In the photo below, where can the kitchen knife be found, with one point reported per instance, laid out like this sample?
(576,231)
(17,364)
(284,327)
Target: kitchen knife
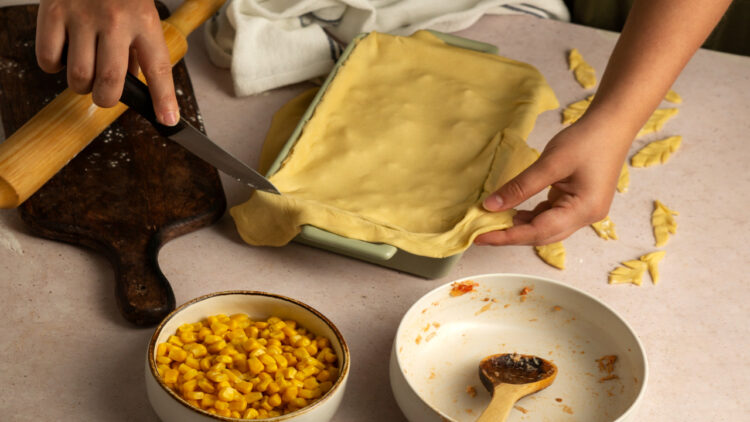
(135,95)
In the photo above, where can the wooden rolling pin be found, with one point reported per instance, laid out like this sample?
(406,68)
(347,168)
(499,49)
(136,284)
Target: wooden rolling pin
(47,142)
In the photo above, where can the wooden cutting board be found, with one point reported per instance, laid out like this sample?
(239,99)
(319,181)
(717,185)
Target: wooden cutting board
(127,193)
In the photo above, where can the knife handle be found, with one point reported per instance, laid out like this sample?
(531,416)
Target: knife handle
(135,95)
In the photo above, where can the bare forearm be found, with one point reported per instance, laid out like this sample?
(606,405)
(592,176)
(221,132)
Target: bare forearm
(659,38)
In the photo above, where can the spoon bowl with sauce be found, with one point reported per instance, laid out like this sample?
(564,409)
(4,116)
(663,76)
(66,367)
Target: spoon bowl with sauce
(509,377)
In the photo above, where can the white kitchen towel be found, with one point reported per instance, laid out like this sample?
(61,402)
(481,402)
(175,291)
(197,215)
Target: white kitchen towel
(272,43)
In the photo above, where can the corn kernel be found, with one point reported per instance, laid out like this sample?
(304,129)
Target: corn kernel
(161,349)
(177,354)
(216,376)
(289,394)
(216,347)
(253,397)
(221,404)
(208,400)
(274,400)
(255,365)
(206,385)
(310,383)
(250,414)
(235,414)
(325,386)
(239,404)
(244,387)
(170,377)
(224,412)
(175,340)
(163,360)
(194,395)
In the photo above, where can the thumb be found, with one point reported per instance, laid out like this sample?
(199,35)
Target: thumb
(527,184)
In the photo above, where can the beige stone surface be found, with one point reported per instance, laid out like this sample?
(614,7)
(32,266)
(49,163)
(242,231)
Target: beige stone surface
(67,355)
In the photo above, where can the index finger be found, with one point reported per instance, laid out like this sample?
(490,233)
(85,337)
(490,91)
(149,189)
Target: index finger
(153,57)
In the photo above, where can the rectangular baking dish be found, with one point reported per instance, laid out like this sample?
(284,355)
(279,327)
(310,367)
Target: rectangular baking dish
(377,253)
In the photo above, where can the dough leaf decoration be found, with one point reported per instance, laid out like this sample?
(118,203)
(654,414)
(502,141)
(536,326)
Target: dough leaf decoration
(630,272)
(657,152)
(624,180)
(574,111)
(605,229)
(553,254)
(673,97)
(584,73)
(662,219)
(657,120)
(652,261)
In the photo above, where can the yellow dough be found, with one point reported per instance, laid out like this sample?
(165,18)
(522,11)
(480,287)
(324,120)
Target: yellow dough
(406,142)
(553,254)
(657,120)
(630,272)
(673,97)
(657,152)
(574,111)
(605,229)
(584,73)
(624,180)
(662,219)
(652,260)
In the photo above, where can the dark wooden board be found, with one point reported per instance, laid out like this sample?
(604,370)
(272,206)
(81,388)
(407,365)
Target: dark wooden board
(126,194)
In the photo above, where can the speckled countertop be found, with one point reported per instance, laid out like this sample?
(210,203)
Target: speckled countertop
(68,355)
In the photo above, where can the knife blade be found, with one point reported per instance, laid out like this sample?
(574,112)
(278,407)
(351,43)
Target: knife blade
(135,95)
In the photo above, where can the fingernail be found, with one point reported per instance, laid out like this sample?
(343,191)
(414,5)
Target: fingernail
(170,118)
(493,202)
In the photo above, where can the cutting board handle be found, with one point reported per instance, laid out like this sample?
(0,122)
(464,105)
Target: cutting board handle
(144,296)
(49,140)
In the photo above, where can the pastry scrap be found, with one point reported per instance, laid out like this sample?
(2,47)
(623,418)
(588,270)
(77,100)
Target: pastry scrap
(631,272)
(553,254)
(470,390)
(662,219)
(652,260)
(584,73)
(605,229)
(673,97)
(657,152)
(624,180)
(574,111)
(657,120)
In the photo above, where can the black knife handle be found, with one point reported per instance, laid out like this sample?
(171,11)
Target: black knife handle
(135,95)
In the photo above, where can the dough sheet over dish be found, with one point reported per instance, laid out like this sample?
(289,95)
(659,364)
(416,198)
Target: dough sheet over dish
(406,142)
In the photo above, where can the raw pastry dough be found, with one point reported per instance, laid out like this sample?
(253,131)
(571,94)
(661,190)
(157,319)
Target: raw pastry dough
(631,272)
(662,219)
(624,180)
(657,120)
(652,260)
(657,152)
(584,73)
(605,229)
(406,142)
(673,97)
(574,111)
(553,254)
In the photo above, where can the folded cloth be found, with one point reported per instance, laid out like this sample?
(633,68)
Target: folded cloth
(272,43)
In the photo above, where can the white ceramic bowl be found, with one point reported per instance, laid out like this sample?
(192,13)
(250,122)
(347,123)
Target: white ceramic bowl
(258,305)
(441,340)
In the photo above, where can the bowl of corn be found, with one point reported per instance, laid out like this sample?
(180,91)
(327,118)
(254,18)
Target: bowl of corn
(246,355)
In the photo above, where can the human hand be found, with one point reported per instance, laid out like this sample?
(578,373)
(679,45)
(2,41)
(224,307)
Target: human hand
(581,164)
(105,39)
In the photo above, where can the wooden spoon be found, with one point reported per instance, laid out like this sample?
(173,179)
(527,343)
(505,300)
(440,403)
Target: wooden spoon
(509,377)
